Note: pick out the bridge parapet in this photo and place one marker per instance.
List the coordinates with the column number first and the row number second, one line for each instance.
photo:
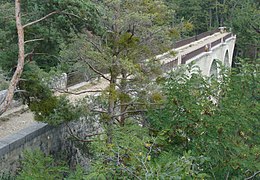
column 187, row 41
column 192, row 48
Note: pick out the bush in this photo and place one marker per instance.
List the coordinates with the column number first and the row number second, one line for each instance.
column 215, row 118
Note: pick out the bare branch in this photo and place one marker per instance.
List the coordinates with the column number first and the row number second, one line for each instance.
column 18, row 91
column 33, row 40
column 95, row 70
column 127, row 112
column 41, row 19
column 70, row 14
column 254, row 175
column 78, row 93
column 138, row 103
column 98, row 111
column 33, row 53
column 80, row 139
column 96, row 46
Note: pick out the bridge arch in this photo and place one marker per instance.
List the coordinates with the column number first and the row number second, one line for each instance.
column 226, row 59
column 213, row 68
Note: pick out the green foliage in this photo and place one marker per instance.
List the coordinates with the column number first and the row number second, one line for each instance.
column 246, row 14
column 75, row 16
column 40, row 99
column 54, row 110
column 136, row 155
column 38, row 166
column 214, row 118
column 6, row 176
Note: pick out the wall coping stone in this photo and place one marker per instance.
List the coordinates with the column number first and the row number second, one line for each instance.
column 16, row 140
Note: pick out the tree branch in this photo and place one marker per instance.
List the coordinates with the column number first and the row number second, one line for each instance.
column 41, row 19
column 78, row 93
column 98, row 111
column 33, row 53
column 78, row 138
column 126, row 112
column 251, row 177
column 95, row 70
column 33, row 40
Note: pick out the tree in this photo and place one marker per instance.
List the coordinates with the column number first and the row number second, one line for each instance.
column 216, row 119
column 72, row 18
column 21, row 42
column 124, row 56
column 245, row 23
column 20, row 64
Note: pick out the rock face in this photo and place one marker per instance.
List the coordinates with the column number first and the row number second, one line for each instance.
column 59, row 82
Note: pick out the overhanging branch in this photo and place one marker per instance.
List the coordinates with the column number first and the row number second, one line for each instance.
column 41, row 19
column 33, row 40
column 78, row 93
column 95, row 70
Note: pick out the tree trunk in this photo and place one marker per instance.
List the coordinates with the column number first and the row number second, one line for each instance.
column 19, row 69
column 111, row 108
column 123, row 100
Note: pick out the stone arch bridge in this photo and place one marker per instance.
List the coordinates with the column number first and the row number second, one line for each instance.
column 204, row 49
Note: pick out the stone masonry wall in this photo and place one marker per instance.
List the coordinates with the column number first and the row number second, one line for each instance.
column 51, row 140
column 37, row 136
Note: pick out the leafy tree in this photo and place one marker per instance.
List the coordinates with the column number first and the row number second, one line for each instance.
column 16, row 70
column 70, row 17
column 38, row 166
column 242, row 16
column 136, row 155
column 135, row 31
column 216, row 119
column 244, row 19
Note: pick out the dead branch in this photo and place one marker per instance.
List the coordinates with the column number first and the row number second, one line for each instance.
column 98, row 111
column 80, row 139
column 33, row 40
column 127, row 112
column 78, row 93
column 95, row 70
column 33, row 53
column 254, row 175
column 41, row 19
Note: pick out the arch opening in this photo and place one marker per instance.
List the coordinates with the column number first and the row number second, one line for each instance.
column 226, row 59
column 213, row 69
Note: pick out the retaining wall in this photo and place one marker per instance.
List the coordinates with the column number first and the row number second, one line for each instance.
column 37, row 136
column 51, row 140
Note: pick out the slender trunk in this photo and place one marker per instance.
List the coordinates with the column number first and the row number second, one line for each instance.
column 123, row 99
column 19, row 69
column 111, row 107
column 112, row 86
column 210, row 18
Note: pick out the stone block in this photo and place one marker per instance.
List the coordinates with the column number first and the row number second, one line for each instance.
column 4, row 148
